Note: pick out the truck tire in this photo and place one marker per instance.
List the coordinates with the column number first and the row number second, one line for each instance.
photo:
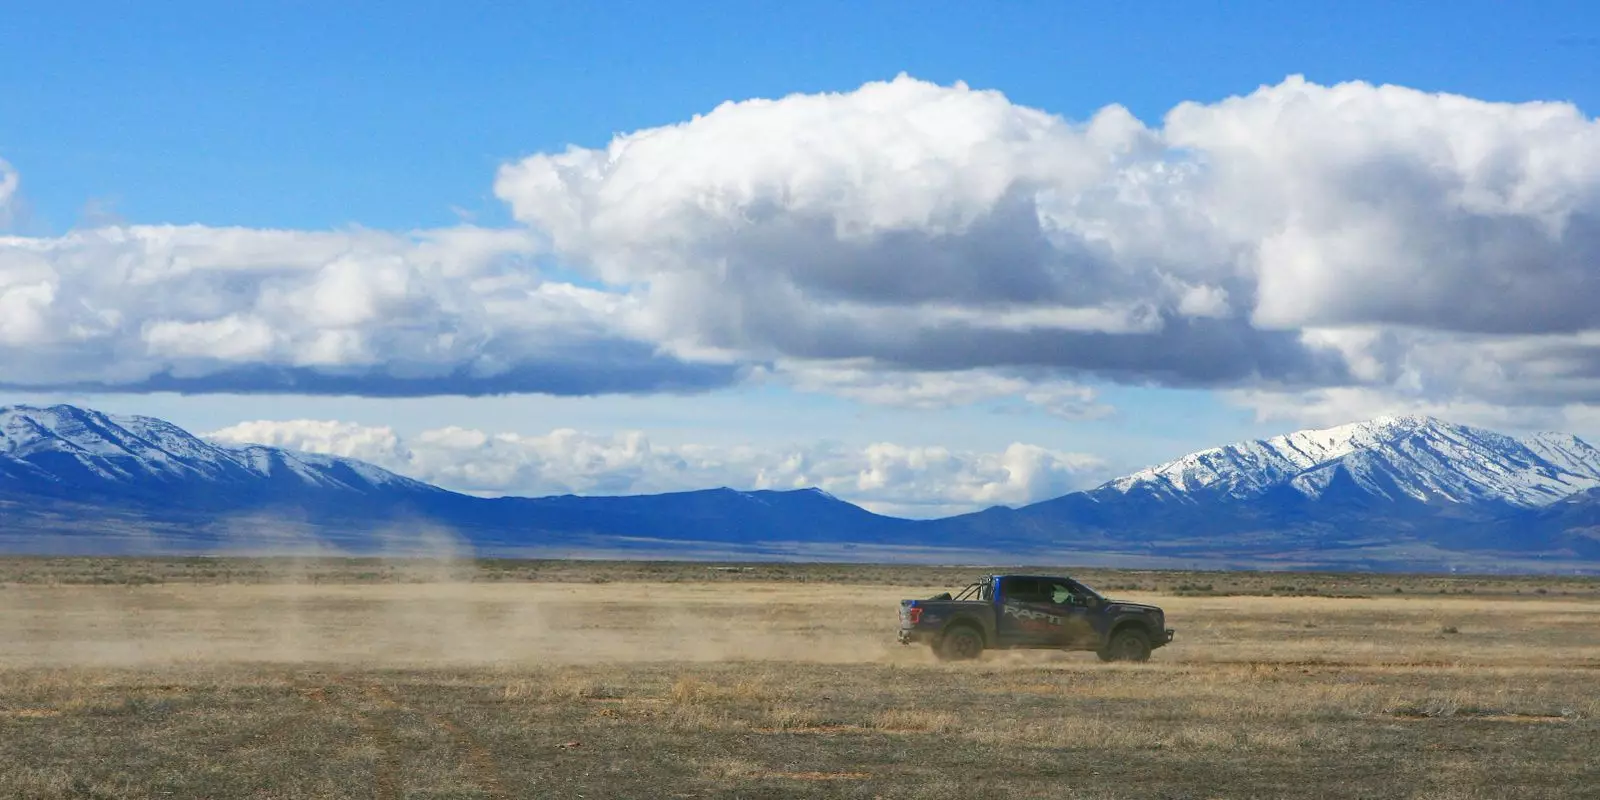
column 1127, row 644
column 959, row 643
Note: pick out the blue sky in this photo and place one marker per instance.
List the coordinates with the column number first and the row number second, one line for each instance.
column 397, row 117
column 392, row 114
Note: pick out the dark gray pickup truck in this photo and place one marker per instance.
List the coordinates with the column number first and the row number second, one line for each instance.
column 1005, row 612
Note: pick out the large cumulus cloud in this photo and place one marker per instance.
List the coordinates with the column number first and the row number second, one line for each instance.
column 883, row 476
column 1294, row 238
column 922, row 226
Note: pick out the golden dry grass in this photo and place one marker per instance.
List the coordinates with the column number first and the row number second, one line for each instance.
column 444, row 685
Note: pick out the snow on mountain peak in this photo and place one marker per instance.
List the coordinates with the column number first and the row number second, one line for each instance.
column 1398, row 457
column 64, row 440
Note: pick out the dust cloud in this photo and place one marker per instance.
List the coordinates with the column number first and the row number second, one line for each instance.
column 426, row 612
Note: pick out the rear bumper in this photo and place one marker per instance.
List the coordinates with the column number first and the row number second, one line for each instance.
column 912, row 636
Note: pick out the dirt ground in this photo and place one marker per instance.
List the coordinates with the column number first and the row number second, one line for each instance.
column 421, row 679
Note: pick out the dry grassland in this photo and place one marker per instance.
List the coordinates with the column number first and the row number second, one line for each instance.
column 450, row 680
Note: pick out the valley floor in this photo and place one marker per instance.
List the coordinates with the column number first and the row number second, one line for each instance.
column 297, row 679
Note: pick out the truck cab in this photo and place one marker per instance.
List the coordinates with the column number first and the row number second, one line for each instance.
column 1007, row 612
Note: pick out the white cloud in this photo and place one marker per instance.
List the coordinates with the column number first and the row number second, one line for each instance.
column 903, row 243
column 9, row 182
column 885, row 477
column 376, row 444
column 1320, row 408
column 1361, row 204
column 913, row 224
column 938, row 228
column 457, row 310
column 22, row 311
column 231, row 338
column 936, row 390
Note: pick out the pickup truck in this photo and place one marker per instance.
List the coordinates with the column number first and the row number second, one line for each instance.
column 1005, row 612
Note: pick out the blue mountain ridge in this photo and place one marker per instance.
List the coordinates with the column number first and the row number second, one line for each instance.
column 1389, row 493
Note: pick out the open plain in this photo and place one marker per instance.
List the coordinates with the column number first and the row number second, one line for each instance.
column 390, row 679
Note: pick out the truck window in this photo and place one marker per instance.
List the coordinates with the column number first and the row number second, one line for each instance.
column 1069, row 593
column 1023, row 590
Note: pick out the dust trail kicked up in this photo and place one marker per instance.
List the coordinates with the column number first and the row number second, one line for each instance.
column 425, row 611
column 434, row 623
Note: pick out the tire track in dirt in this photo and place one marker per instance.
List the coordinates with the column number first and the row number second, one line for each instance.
column 478, row 757
column 276, row 734
column 478, row 760
column 386, row 784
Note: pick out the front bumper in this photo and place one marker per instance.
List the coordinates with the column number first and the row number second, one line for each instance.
column 1166, row 637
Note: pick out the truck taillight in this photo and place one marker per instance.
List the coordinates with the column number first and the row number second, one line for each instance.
column 914, row 615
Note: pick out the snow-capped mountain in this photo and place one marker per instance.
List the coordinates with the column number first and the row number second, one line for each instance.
column 1389, row 493
column 71, row 448
column 1396, row 458
column 98, row 483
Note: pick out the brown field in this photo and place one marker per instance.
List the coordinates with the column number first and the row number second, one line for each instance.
column 285, row 678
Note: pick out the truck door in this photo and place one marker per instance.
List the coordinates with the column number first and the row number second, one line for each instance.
column 1072, row 603
column 1042, row 612
column 1026, row 614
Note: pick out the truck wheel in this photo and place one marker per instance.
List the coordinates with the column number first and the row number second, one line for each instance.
column 1128, row 644
column 960, row 643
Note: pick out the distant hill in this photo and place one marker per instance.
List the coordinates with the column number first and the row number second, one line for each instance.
column 1389, row 493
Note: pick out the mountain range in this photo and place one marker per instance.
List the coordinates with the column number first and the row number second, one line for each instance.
column 1391, row 493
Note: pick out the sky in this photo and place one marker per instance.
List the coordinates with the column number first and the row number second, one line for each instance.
column 928, row 257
